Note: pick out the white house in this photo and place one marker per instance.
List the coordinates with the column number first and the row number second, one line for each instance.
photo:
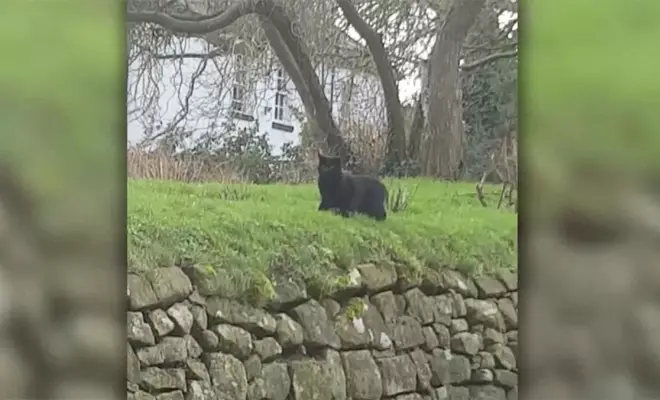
column 235, row 90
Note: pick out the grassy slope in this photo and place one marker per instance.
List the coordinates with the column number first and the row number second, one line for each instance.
column 255, row 232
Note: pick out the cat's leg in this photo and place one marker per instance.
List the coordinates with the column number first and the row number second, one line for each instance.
column 323, row 206
column 327, row 204
column 343, row 210
column 356, row 199
column 382, row 213
column 375, row 206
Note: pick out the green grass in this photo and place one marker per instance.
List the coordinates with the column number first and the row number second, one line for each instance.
column 251, row 235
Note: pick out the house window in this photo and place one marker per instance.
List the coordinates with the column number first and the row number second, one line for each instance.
column 280, row 108
column 240, row 91
column 237, row 97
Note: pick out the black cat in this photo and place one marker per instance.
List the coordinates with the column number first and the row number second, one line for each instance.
column 348, row 194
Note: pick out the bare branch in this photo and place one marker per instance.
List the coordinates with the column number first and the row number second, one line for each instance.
column 185, row 107
column 487, row 47
column 489, row 59
column 288, row 63
column 508, row 28
column 480, row 189
column 176, row 56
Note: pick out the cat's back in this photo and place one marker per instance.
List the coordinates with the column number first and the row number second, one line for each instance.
column 373, row 196
column 371, row 187
column 368, row 181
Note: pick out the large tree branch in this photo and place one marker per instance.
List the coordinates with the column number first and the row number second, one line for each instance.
column 396, row 136
column 275, row 15
column 460, row 18
column 488, row 59
column 289, row 64
column 323, row 113
column 204, row 25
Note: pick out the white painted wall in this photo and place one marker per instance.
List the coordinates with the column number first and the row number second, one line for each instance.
column 210, row 104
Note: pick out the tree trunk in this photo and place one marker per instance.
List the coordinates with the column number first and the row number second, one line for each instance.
column 416, row 132
column 445, row 153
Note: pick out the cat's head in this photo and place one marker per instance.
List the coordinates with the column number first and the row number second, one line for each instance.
column 329, row 164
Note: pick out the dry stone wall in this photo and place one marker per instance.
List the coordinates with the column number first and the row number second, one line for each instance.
column 383, row 338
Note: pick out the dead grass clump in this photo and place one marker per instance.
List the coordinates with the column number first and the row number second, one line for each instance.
column 297, row 173
column 161, row 165
column 503, row 163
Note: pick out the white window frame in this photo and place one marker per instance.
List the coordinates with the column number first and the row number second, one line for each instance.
column 240, row 87
column 280, row 110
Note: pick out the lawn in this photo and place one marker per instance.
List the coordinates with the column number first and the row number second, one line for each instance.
column 250, row 235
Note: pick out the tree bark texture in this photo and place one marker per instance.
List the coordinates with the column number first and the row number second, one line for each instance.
column 416, row 131
column 445, row 152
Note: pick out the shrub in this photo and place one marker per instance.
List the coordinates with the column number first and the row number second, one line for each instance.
column 400, row 198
